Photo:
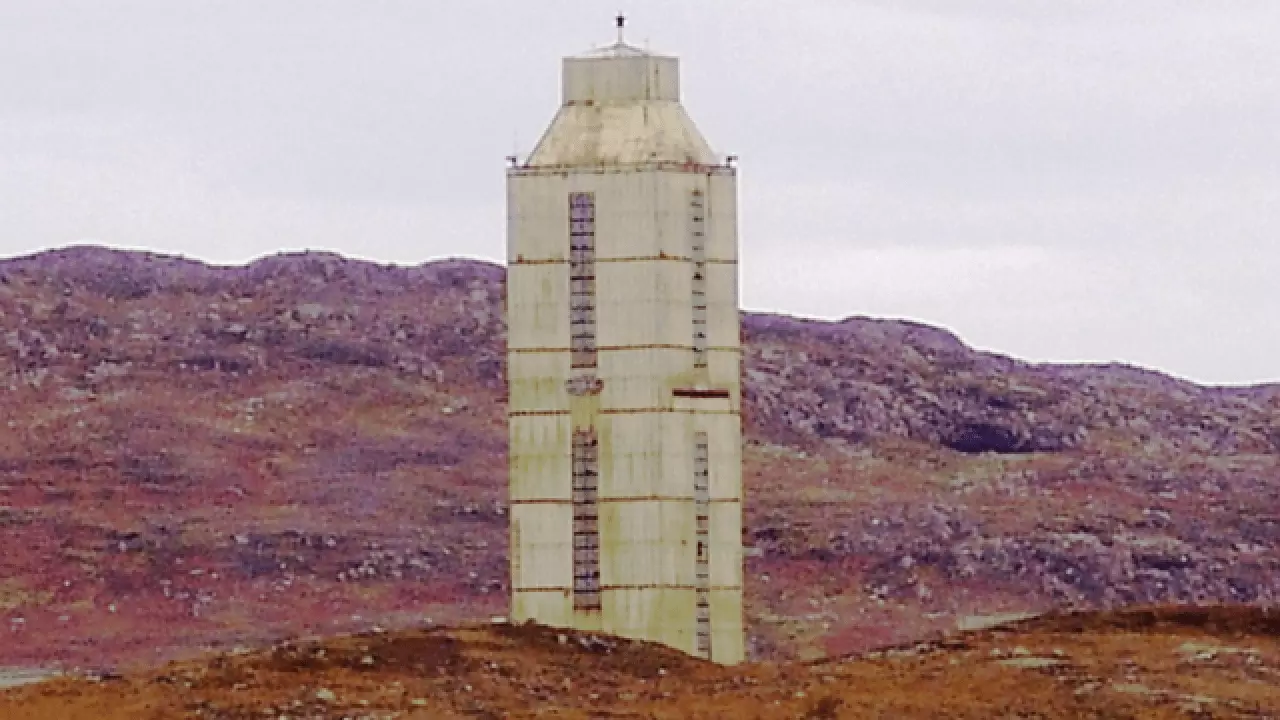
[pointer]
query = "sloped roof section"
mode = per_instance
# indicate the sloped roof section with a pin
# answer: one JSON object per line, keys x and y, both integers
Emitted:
{"x": 617, "y": 50}
{"x": 636, "y": 133}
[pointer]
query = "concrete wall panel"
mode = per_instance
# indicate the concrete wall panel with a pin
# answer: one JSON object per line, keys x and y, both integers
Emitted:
{"x": 620, "y": 80}
{"x": 662, "y": 615}
{"x": 726, "y": 544}
{"x": 547, "y": 608}
{"x": 728, "y": 641}
{"x": 540, "y": 457}
{"x": 535, "y": 381}
{"x": 543, "y": 558}
{"x": 722, "y": 230}
{"x": 643, "y": 378}
{"x": 538, "y": 306}
{"x": 646, "y": 543}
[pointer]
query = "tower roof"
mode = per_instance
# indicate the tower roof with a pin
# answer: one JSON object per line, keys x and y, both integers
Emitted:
{"x": 621, "y": 106}
{"x": 619, "y": 49}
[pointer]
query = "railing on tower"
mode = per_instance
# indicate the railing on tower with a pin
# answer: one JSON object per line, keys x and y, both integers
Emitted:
{"x": 582, "y": 280}
{"x": 702, "y": 536}
{"x": 698, "y": 252}
{"x": 586, "y": 521}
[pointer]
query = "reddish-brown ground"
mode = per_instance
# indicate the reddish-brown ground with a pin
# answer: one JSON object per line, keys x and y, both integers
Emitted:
{"x": 1183, "y": 663}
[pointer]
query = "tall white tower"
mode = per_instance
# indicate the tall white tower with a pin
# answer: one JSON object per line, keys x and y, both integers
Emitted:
{"x": 623, "y": 362}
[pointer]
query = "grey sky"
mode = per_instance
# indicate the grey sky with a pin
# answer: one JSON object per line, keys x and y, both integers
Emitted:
{"x": 1054, "y": 179}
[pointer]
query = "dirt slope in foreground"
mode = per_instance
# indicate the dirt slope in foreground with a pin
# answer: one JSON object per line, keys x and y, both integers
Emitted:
{"x": 1134, "y": 664}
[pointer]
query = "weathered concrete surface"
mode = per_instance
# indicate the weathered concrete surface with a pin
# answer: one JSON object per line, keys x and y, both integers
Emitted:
{"x": 14, "y": 677}
{"x": 624, "y": 367}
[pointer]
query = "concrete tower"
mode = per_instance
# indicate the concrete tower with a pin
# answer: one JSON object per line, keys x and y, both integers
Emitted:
{"x": 623, "y": 363}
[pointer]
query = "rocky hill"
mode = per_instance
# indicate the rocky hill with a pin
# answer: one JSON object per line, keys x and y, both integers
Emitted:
{"x": 195, "y": 456}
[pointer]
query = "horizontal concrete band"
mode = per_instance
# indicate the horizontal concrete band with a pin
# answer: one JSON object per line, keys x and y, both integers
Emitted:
{"x": 606, "y": 588}
{"x": 632, "y": 499}
{"x": 521, "y": 261}
{"x": 622, "y": 348}
{"x": 621, "y": 411}
{"x": 620, "y": 169}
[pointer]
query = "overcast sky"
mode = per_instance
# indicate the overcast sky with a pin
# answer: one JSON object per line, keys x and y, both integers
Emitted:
{"x": 1072, "y": 180}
